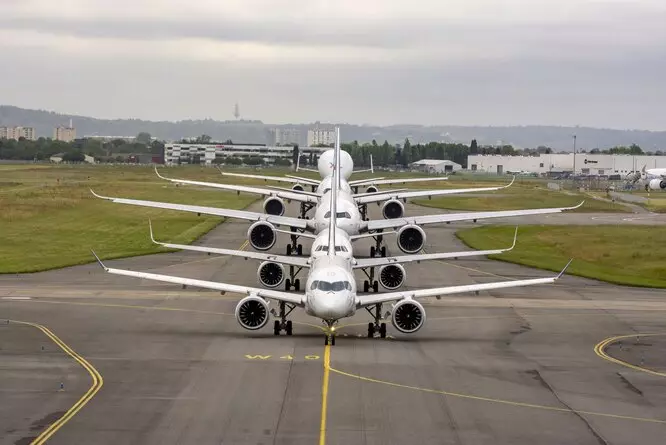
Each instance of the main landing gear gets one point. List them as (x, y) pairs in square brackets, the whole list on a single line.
[(363, 210), (378, 326), (329, 338), (378, 249), (294, 248), (292, 281), (283, 324), (305, 208)]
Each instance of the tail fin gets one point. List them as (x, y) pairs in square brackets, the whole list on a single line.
[(335, 184)]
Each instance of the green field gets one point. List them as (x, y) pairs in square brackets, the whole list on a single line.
[(49, 219), (630, 255), (521, 196)]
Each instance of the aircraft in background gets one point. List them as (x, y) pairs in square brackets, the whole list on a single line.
[(330, 291), (654, 178)]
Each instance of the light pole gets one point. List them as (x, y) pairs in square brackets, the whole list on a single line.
[(574, 161)]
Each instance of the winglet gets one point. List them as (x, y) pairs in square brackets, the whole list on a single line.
[(372, 167), (565, 268), (99, 196), (150, 226), (158, 174), (99, 261), (578, 206), (515, 236), (510, 183)]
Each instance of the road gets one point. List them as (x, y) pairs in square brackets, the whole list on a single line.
[(516, 366)]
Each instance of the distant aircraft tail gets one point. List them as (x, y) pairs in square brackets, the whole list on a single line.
[(335, 186)]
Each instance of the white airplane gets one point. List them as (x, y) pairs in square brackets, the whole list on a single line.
[(654, 178), (391, 275), (330, 292)]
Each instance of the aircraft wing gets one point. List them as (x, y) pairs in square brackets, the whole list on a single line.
[(378, 224), (298, 261), (227, 213), (299, 192), (287, 297), (424, 193), (386, 192), (303, 180), (381, 181), (402, 259), (242, 188), (273, 178), (370, 299)]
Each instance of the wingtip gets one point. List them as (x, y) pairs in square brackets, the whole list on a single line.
[(98, 260), (96, 195), (158, 173), (150, 227), (515, 237), (565, 268)]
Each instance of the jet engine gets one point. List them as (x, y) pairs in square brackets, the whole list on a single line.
[(270, 274), (372, 189), (656, 184), (408, 316), (392, 276), (297, 188), (393, 209), (411, 238), (274, 206), (252, 313), (261, 235)]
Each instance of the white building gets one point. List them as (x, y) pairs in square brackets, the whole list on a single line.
[(176, 153), (319, 136), (286, 136), (66, 134), (435, 166), (586, 164), (17, 132)]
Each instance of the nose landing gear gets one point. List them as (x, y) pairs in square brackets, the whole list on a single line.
[(329, 338)]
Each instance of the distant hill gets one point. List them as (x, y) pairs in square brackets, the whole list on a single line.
[(558, 138)]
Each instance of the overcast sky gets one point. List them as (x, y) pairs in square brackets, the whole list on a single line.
[(488, 62)]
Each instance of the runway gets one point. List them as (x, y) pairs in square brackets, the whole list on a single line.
[(516, 366)]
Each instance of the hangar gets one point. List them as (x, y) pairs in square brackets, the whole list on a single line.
[(435, 166)]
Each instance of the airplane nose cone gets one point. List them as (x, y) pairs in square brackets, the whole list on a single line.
[(331, 307)]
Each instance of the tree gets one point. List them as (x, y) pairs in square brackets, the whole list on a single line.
[(203, 139), (157, 147), (282, 162), (294, 154), (473, 147), (73, 156), (143, 138)]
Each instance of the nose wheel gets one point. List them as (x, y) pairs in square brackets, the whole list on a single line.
[(329, 337), (283, 324), (376, 327)]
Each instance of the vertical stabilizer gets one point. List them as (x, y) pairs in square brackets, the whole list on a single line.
[(335, 186)]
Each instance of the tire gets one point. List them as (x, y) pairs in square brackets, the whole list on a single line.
[(384, 251), (332, 340), (366, 286), (372, 251), (382, 330), (375, 286), (288, 249), (299, 250), (287, 284), (371, 330), (276, 327), (289, 328), (297, 284)]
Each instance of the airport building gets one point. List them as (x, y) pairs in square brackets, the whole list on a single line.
[(66, 134), (321, 135), (286, 136), (544, 164), (176, 153), (17, 132), (435, 166)]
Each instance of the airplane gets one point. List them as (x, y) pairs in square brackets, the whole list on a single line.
[(391, 275), (654, 178), (330, 292)]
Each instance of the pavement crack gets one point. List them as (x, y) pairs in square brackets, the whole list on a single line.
[(538, 377), (629, 385), (284, 398)]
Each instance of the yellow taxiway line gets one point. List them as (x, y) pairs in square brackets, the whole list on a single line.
[(600, 350), (324, 394), (97, 383)]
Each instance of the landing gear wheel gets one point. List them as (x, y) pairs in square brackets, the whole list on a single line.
[(276, 327), (288, 249), (382, 330), (287, 284), (371, 330), (332, 340), (375, 286), (297, 284), (372, 251), (384, 251), (299, 250), (289, 328), (366, 286)]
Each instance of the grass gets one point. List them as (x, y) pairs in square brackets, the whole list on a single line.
[(49, 219), (521, 196), (628, 255)]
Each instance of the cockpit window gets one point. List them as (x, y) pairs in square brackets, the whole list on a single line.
[(339, 215), (314, 285), (335, 286), (325, 249)]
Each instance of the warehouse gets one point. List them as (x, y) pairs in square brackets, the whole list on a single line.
[(435, 166)]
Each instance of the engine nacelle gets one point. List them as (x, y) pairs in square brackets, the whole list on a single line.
[(393, 209), (408, 316), (270, 274), (411, 239), (372, 189), (297, 188), (274, 206), (392, 276), (261, 235), (252, 313), (657, 184)]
